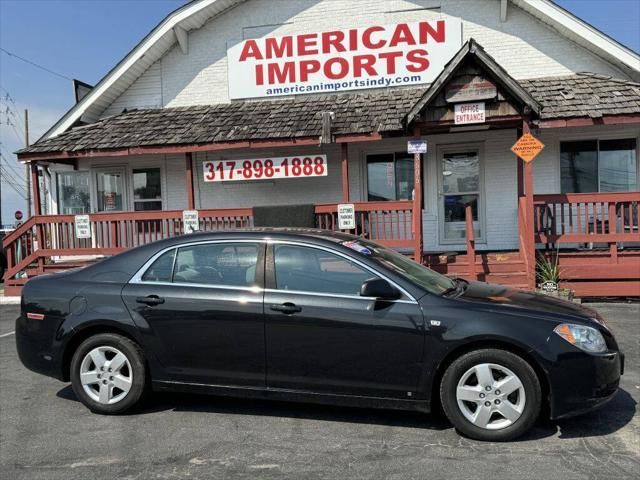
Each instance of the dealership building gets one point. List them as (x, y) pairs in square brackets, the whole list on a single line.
[(400, 114)]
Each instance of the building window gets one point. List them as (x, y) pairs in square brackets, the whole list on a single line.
[(147, 190), (598, 166), (390, 177), (73, 193)]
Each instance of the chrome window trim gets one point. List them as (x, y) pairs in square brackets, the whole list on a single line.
[(347, 257), (137, 277), (336, 295)]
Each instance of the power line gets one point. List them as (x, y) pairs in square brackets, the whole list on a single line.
[(13, 187), (5, 172), (12, 182), (37, 65), (8, 164)]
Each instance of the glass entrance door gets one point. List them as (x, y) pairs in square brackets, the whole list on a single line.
[(110, 190), (459, 186)]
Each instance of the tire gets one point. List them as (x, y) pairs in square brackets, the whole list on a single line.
[(104, 391), (473, 402)]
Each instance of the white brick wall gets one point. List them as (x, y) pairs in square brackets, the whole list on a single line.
[(145, 92), (523, 45)]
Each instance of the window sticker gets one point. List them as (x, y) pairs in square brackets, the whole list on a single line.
[(354, 245)]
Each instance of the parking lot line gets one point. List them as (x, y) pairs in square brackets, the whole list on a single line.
[(7, 334)]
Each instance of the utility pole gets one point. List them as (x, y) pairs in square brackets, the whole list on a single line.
[(27, 170)]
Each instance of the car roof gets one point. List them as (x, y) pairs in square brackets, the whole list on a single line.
[(270, 232)]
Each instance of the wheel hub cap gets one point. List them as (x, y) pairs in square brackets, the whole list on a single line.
[(106, 388), (490, 396)]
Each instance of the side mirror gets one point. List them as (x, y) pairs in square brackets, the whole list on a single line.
[(379, 288)]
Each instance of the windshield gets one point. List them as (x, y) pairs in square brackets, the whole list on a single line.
[(424, 277)]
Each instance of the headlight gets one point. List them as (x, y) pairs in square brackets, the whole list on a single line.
[(585, 338)]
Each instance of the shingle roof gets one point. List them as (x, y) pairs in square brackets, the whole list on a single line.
[(579, 95), (584, 95), (375, 111)]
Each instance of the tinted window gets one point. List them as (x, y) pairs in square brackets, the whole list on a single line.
[(599, 166), (390, 176), (312, 270), (229, 264), (161, 269), (618, 165)]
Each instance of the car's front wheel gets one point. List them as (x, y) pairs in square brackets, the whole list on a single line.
[(491, 395), (108, 373)]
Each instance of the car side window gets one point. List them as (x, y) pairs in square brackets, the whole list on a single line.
[(226, 264), (313, 270), (161, 269)]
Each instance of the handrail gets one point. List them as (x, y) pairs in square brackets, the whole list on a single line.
[(586, 197), (367, 206), (22, 228), (471, 242)]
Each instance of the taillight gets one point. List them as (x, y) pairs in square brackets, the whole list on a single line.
[(35, 316)]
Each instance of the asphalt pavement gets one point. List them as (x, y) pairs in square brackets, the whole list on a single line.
[(45, 433)]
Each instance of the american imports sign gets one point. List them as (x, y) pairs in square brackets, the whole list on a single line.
[(338, 60)]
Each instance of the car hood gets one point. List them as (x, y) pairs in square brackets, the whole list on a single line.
[(500, 295)]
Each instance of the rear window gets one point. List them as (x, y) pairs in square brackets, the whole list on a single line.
[(161, 269)]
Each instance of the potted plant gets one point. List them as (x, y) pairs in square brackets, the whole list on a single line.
[(548, 275)]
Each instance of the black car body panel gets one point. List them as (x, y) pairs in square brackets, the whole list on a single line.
[(334, 349)]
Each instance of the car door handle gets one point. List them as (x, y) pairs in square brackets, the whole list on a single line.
[(287, 308), (150, 300)]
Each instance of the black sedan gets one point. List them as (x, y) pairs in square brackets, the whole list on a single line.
[(314, 316)]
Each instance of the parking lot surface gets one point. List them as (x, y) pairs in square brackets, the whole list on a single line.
[(45, 433)]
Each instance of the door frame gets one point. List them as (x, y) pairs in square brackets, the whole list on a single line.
[(125, 188), (481, 222)]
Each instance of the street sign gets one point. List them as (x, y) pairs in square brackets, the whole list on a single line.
[(18, 215), (527, 147), (417, 146), (83, 226), (190, 221), (346, 216)]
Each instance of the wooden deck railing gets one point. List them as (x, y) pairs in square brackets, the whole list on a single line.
[(49, 237), (576, 218), (388, 223)]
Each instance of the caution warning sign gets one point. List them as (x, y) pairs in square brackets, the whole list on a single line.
[(527, 147)]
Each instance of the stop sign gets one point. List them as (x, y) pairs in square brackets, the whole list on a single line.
[(18, 215)]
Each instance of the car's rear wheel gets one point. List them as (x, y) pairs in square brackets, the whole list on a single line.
[(491, 394), (108, 373)]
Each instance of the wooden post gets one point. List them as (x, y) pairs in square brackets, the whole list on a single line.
[(529, 242), (35, 184), (471, 242), (417, 201), (191, 205), (344, 150), (613, 228)]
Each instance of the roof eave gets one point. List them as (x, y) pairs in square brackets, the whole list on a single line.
[(165, 27), (472, 47)]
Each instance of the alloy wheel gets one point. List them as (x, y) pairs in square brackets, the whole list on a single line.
[(490, 396), (106, 375)]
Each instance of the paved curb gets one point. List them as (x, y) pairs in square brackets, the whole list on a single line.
[(9, 300)]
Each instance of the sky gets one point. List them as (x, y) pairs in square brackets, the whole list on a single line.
[(84, 39)]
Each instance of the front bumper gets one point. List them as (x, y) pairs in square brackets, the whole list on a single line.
[(581, 382)]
